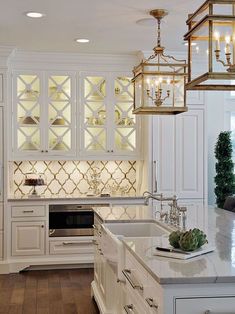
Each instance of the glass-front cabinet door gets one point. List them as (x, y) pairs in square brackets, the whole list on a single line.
[(108, 125), (60, 114), (124, 120), (44, 113), (94, 114), (27, 102)]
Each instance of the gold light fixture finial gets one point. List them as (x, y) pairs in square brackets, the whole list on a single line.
[(159, 81)]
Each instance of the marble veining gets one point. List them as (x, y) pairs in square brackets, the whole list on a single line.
[(214, 267)]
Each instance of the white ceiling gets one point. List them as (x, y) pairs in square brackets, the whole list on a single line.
[(109, 24)]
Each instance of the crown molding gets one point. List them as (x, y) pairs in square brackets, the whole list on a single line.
[(75, 61), (5, 52)]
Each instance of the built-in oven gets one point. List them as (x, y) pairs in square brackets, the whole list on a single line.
[(70, 220)]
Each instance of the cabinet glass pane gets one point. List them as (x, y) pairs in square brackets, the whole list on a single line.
[(28, 112), (125, 121), (94, 114), (59, 113)]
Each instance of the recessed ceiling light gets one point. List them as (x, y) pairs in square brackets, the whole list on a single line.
[(192, 44), (82, 40), (34, 15)]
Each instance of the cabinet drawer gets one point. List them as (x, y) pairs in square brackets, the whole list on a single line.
[(1, 216), (136, 275), (28, 211), (1, 244), (133, 304), (80, 246), (213, 305)]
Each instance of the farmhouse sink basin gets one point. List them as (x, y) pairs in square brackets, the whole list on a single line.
[(136, 229), (113, 233)]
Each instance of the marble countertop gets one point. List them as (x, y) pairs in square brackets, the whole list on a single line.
[(85, 199), (214, 267)]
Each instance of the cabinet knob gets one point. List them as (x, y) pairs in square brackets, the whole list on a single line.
[(108, 151), (46, 151), (112, 151), (42, 226), (42, 151)]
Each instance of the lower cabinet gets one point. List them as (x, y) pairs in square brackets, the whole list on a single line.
[(28, 238), (223, 305)]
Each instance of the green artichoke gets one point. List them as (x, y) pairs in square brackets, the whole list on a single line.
[(174, 238), (188, 241), (201, 237)]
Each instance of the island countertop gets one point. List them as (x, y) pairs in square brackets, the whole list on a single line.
[(215, 267)]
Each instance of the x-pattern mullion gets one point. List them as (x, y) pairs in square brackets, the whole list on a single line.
[(95, 137), (95, 87), (60, 111), (29, 136), (60, 136), (25, 83), (126, 136), (125, 88), (61, 85), (91, 109)]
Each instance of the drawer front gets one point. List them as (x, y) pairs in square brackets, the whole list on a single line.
[(1, 244), (133, 304), (83, 246), (1, 216), (219, 305), (28, 211), (136, 276)]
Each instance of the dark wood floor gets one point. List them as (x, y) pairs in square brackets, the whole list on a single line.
[(47, 292)]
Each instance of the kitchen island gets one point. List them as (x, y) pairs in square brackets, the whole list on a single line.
[(154, 284)]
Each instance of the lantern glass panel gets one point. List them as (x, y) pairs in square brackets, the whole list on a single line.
[(200, 51), (138, 91)]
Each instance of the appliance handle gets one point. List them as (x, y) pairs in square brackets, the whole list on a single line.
[(129, 309), (154, 176), (71, 210)]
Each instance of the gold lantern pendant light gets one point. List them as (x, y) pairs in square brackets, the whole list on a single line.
[(211, 29), (159, 81)]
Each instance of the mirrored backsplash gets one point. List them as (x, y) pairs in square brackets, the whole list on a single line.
[(74, 178)]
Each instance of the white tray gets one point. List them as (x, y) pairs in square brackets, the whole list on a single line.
[(203, 250)]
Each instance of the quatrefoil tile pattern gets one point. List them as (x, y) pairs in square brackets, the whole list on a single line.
[(69, 178)]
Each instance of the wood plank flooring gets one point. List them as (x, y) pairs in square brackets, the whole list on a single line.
[(47, 292)]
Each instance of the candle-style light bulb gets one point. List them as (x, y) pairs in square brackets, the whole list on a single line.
[(217, 38), (227, 47), (148, 83), (168, 81), (197, 49)]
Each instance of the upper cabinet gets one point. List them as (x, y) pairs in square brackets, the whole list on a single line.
[(51, 120), (44, 114), (108, 127)]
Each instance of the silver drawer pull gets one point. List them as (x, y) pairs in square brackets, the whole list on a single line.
[(133, 282), (210, 312), (77, 243), (95, 227), (28, 211), (95, 242), (151, 303), (129, 309)]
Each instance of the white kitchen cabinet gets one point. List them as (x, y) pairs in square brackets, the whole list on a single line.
[(28, 238), (179, 154), (218, 305), (44, 111), (108, 127)]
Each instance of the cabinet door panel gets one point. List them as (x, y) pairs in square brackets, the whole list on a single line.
[(27, 106), (60, 113), (164, 153), (190, 154), (28, 238), (94, 114)]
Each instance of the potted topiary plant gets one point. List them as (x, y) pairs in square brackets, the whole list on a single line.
[(224, 179)]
